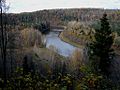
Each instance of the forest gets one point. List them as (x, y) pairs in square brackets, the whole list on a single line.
[(60, 17), (29, 59)]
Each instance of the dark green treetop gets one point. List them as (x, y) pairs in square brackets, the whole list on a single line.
[(101, 51)]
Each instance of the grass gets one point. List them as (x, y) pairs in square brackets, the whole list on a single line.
[(45, 53), (69, 41)]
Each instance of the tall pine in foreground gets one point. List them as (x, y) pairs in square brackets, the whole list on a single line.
[(101, 52)]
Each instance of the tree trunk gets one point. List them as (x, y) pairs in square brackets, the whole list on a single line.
[(3, 47)]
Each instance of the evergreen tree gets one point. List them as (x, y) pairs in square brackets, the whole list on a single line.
[(101, 52)]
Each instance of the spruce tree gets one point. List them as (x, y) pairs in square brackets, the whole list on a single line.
[(101, 52)]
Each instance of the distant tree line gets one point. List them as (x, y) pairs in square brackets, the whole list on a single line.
[(54, 73), (62, 16)]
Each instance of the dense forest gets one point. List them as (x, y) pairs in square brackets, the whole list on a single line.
[(26, 63), (62, 16)]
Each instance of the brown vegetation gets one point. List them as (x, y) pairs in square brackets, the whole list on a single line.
[(78, 33), (31, 37)]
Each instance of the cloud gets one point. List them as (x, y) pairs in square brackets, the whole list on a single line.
[(32, 5)]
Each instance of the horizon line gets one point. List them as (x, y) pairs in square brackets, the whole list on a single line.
[(63, 9)]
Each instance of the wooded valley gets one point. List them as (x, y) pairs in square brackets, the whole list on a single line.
[(60, 49)]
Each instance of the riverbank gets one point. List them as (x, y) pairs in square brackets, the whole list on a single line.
[(63, 48), (47, 54), (61, 36)]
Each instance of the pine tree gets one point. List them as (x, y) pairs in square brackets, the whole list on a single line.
[(101, 52)]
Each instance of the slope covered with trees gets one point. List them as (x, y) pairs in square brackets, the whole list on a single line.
[(62, 16), (24, 65), (78, 33)]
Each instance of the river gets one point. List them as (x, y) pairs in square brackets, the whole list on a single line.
[(62, 47)]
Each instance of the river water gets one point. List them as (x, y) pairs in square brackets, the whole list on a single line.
[(62, 47)]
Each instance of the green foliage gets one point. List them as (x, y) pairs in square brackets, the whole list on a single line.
[(88, 81), (100, 49), (91, 81), (115, 27), (94, 82), (44, 28), (95, 25), (61, 16), (20, 81)]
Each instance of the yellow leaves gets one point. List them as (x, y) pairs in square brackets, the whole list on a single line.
[(31, 37), (76, 60), (92, 80), (118, 12), (80, 33)]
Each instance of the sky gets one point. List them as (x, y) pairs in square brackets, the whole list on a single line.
[(17, 6)]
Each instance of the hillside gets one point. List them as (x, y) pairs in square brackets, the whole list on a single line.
[(62, 16)]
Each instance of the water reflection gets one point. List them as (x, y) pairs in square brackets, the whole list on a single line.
[(63, 48)]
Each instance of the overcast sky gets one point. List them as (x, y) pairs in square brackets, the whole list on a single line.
[(17, 6)]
